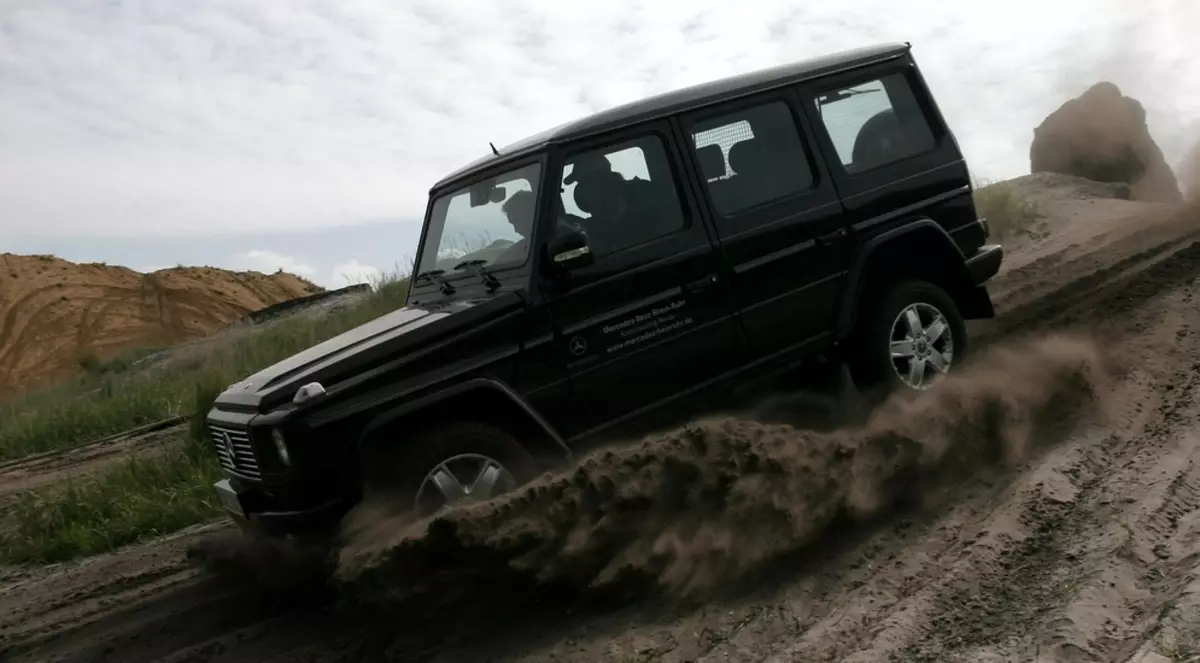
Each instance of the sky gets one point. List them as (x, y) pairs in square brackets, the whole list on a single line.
[(304, 135)]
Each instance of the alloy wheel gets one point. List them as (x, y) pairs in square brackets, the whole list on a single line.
[(461, 478), (922, 345)]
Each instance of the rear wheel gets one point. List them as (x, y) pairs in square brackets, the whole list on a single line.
[(914, 336), (448, 464)]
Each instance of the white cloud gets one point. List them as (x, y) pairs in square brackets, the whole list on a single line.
[(229, 116), (354, 273), (270, 261)]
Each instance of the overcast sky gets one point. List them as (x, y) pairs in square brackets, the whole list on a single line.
[(304, 134)]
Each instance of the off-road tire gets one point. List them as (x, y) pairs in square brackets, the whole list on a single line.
[(401, 475), (870, 359)]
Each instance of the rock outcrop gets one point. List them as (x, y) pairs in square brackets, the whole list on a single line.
[(1102, 135)]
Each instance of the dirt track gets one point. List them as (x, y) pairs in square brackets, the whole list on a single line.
[(39, 470), (1086, 546)]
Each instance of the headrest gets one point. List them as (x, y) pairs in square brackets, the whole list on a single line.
[(712, 161), (749, 156)]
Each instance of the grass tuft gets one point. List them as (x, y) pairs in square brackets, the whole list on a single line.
[(1008, 213)]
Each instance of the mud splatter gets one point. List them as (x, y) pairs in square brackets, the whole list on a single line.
[(691, 510)]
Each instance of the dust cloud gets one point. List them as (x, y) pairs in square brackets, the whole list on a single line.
[(1189, 174), (283, 568), (686, 512)]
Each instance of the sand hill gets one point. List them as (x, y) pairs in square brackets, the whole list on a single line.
[(56, 314)]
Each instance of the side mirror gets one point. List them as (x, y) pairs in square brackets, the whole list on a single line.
[(570, 251)]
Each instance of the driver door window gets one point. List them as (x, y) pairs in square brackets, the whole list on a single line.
[(621, 195), (631, 324)]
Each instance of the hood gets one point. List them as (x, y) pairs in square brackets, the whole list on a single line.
[(370, 344)]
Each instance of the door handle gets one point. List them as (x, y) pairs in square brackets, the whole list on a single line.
[(702, 284), (833, 237)]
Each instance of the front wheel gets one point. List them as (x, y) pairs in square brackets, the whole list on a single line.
[(914, 336), (452, 463)]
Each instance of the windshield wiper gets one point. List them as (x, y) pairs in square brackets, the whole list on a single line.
[(489, 279), (435, 275)]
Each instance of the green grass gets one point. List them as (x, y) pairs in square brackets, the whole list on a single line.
[(121, 363), (114, 396), (1008, 212), (137, 498)]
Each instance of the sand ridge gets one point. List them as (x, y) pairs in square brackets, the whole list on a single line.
[(54, 314)]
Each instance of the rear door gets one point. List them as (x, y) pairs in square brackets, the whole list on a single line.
[(777, 217), (651, 319)]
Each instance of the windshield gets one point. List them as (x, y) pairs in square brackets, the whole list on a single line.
[(489, 221)]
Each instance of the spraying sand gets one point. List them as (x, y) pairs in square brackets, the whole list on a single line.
[(696, 508)]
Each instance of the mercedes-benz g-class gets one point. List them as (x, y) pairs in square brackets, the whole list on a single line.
[(622, 264)]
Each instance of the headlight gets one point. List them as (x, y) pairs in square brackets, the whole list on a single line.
[(281, 446), (987, 232)]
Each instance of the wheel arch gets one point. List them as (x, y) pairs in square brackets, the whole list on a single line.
[(887, 258), (495, 404)]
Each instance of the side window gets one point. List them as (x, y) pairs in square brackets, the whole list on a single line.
[(751, 156), (875, 123), (621, 195)]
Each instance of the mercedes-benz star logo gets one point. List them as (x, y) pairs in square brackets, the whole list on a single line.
[(577, 346), (225, 437)]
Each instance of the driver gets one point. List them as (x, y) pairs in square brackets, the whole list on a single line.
[(519, 209)]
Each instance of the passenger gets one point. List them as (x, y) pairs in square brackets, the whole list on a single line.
[(621, 210), (596, 187)]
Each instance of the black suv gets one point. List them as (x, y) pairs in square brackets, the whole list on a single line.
[(731, 230)]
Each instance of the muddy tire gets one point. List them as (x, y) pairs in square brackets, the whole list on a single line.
[(912, 336), (456, 461)]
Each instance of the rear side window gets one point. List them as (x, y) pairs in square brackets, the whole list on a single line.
[(875, 123), (751, 157), (621, 195)]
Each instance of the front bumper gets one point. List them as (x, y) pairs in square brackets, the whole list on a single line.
[(250, 508), (985, 263)]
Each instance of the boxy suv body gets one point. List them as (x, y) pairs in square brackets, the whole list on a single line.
[(597, 274)]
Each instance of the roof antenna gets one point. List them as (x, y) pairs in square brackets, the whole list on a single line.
[(494, 150)]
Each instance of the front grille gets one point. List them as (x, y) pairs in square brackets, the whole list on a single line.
[(242, 461)]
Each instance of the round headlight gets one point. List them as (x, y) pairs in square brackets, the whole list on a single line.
[(281, 447)]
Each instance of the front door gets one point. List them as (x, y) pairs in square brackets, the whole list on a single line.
[(651, 319)]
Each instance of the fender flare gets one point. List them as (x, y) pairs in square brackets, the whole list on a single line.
[(844, 323), (475, 384)]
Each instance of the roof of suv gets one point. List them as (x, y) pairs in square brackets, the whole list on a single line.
[(674, 101)]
